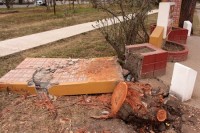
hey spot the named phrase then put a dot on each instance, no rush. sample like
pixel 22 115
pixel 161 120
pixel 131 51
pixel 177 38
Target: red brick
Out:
pixel 149 59
pixel 177 9
pixel 160 65
pixel 170 58
pixel 147 68
pixel 178 56
pixel 183 37
pixel 161 56
pixel 176 37
pixel 147 75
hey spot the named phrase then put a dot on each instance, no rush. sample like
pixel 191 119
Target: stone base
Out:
pixel 154 62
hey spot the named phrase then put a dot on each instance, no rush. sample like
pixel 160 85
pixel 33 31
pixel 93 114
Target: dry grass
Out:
pixel 37 19
pixel 87 45
pixel 22 115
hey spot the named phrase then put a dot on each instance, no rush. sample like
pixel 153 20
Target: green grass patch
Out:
pixel 37 19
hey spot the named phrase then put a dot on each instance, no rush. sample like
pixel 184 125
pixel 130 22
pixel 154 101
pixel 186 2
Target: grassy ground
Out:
pixel 37 19
pixel 87 45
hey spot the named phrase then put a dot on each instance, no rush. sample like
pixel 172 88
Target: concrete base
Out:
pixel 64 76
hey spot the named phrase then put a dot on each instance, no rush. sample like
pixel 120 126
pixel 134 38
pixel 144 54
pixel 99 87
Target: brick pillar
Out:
pixel 177 11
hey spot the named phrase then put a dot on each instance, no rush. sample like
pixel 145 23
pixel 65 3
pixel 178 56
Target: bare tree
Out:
pixel 94 3
pixel 129 28
pixel 28 3
pixel 49 4
pixel 54 7
pixel 187 11
pixel 8 3
pixel 73 5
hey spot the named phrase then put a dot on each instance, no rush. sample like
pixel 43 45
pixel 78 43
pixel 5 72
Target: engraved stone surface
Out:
pixel 105 72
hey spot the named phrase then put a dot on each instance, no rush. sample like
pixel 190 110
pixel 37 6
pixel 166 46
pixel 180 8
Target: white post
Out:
pixel 165 16
pixel 188 25
pixel 183 81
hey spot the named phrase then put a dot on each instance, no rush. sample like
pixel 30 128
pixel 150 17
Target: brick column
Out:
pixel 177 11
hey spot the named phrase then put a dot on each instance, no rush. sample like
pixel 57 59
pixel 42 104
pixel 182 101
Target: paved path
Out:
pixel 15 45
pixel 193 62
pixel 196 22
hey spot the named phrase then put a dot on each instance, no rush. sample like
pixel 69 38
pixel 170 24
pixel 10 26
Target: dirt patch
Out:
pixel 171 46
pixel 21 114
pixel 73 114
pixel 139 50
pixel 9 12
pixel 28 25
pixel 4 15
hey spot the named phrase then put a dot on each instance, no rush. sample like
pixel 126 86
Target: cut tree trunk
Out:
pixel 134 101
pixel 187 11
pixel 147 109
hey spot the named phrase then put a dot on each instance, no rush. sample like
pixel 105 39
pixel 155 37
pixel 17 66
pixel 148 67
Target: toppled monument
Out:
pixel 60 76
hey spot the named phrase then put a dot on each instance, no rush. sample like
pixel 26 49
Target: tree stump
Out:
pixel 146 108
pixel 135 101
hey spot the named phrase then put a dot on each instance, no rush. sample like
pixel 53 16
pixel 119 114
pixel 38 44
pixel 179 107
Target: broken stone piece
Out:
pixel 71 63
pixel 75 60
pixel 155 91
pixel 105 112
pixel 129 78
pixel 30 83
pixel 53 98
pixel 125 72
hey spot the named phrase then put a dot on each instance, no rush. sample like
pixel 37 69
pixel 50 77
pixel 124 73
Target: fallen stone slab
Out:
pixel 61 76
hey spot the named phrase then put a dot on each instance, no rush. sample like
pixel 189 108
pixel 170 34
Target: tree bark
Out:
pixel 187 11
pixel 20 1
pixel 54 7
